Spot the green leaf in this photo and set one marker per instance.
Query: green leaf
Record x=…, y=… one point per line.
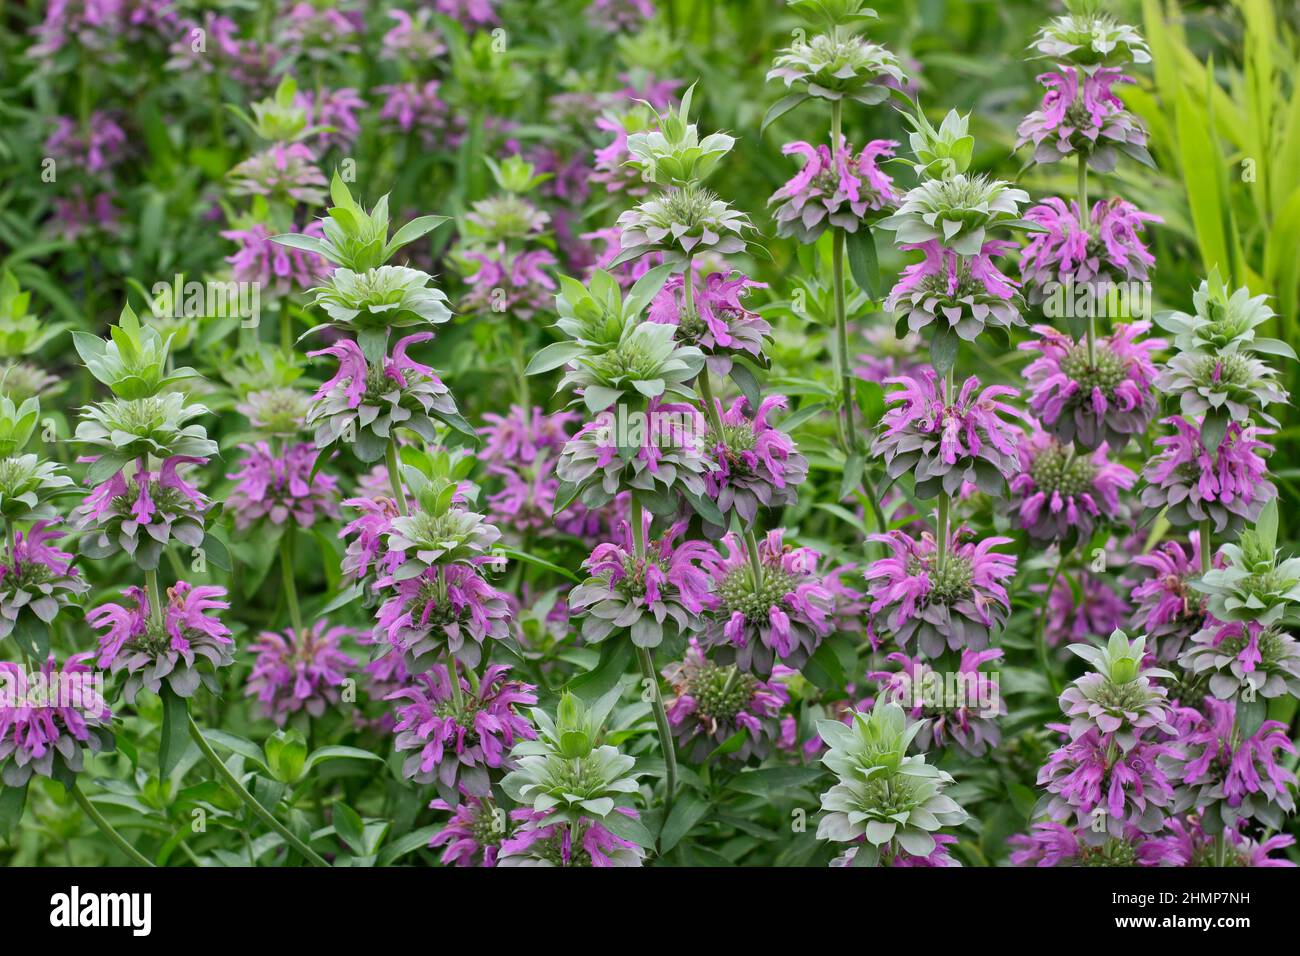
x=852, y=474
x=236, y=744
x=629, y=828
x=688, y=811
x=863, y=263
x=772, y=780
x=1251, y=715
x=12, y=802
x=408, y=843
x=615, y=656
x=349, y=827
x=778, y=109
x=323, y=754
x=533, y=559
x=175, y=735
x=943, y=349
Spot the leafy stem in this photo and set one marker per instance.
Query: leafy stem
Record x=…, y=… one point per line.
x=106, y=828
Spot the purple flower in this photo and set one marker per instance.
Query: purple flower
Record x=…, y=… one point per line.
x=412, y=37
x=1058, y=495
x=620, y=16
x=299, y=670
x=367, y=558
x=1108, y=249
x=319, y=32
x=415, y=107
x=968, y=722
x=1167, y=609
x=284, y=171
x=663, y=594
x=837, y=190
x=1092, y=772
x=721, y=326
x=611, y=248
x=1081, y=114
x=504, y=282
x=586, y=842
x=140, y=514
x=468, y=13
x=890, y=356
x=1109, y=399
x=274, y=266
x=79, y=214
x=965, y=294
x=944, y=440
x=1192, y=846
x=779, y=619
x=448, y=608
x=711, y=703
x=611, y=168
x=1229, y=487
x=1241, y=778
x=755, y=463
x=337, y=108
x=281, y=487
x=98, y=150
x=952, y=604
x=1098, y=612
x=523, y=435
x=938, y=857
x=1244, y=654
x=47, y=728
x=457, y=739
x=473, y=835
x=41, y=578
x=1054, y=844
x=175, y=650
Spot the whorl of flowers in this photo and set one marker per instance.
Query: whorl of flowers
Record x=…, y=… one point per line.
x=1090, y=40
x=366, y=400
x=1081, y=115
x=286, y=172
x=755, y=463
x=1059, y=495
x=1118, y=697
x=967, y=720
x=48, y=721
x=689, y=221
x=944, y=440
x=953, y=603
x=1168, y=610
x=1108, y=249
x=837, y=66
x=502, y=282
x=562, y=772
x=443, y=609
x=279, y=488
x=382, y=297
x=182, y=645
x=721, y=326
x=710, y=703
x=36, y=578
x=299, y=670
x=1091, y=772
x=656, y=597
x=1089, y=401
x=141, y=513
x=780, y=618
x=894, y=801
x=457, y=736
x=523, y=435
x=833, y=190
x=1229, y=386
x=275, y=268
x=1253, y=584
x=1239, y=655
x=473, y=835
x=1219, y=772
x=540, y=838
x=1094, y=615
x=1051, y=844
x=366, y=557
x=1190, y=845
x=1228, y=487
x=951, y=292
x=655, y=453
x=279, y=412
x=956, y=212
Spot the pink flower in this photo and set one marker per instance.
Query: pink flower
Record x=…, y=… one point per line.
x=281, y=487
x=299, y=670
x=837, y=190
x=1059, y=495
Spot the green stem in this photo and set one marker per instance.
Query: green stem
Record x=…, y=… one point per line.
x=1085, y=218
x=755, y=565
x=263, y=814
x=661, y=723
x=638, y=527
x=1041, y=637
x=710, y=403
x=1207, y=551
x=841, y=318
x=395, y=476
x=155, y=597
x=941, y=531
x=290, y=583
x=106, y=828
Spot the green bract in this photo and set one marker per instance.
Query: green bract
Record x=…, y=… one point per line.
x=674, y=154
x=942, y=152
x=133, y=363
x=835, y=66
x=956, y=212
x=17, y=423
x=833, y=12
x=27, y=484
x=1090, y=41
x=381, y=298
x=1120, y=660
x=681, y=223
x=438, y=530
x=1223, y=321
x=278, y=118
x=563, y=772
x=1255, y=585
x=21, y=333
x=122, y=431
x=356, y=239
x=891, y=799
